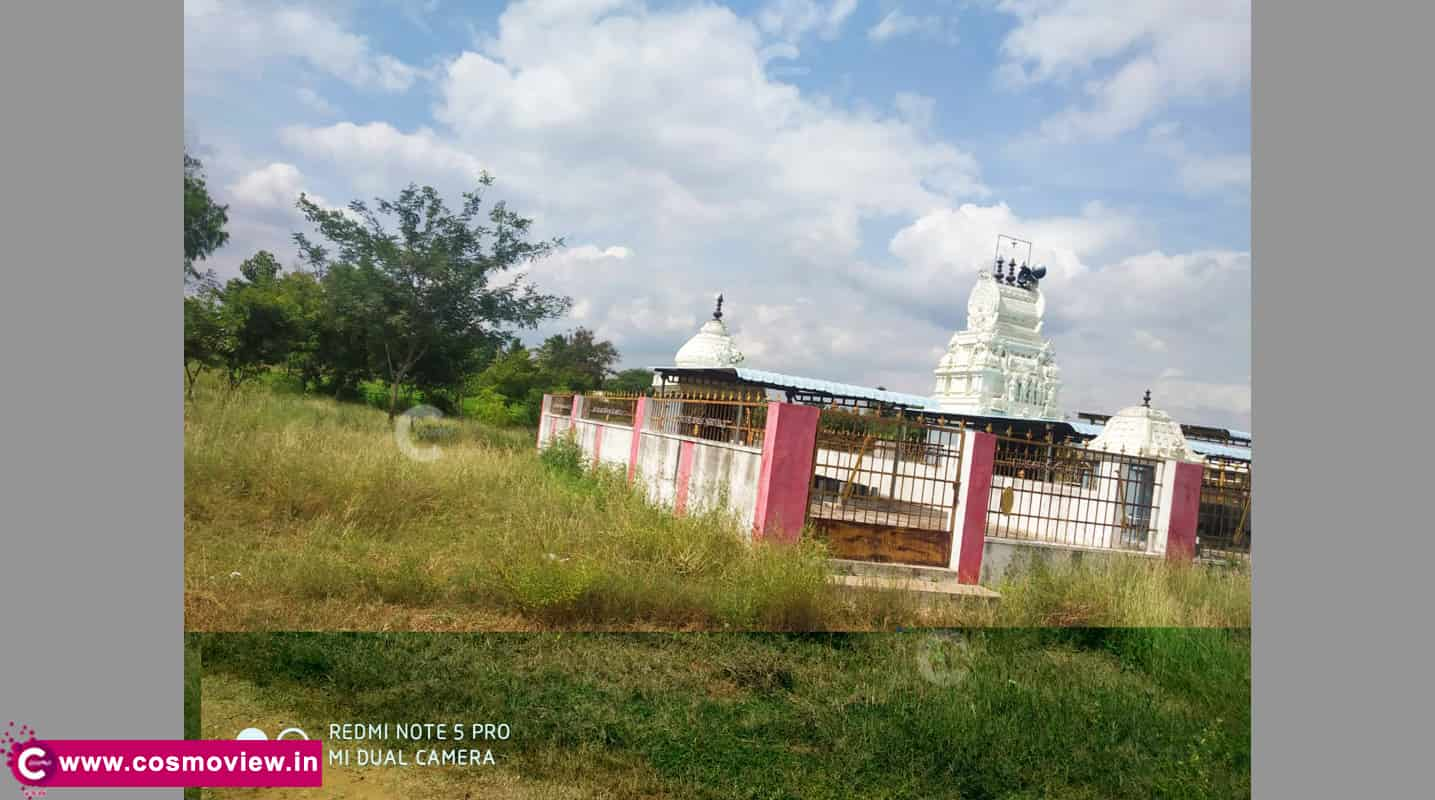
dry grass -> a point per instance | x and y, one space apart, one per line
304 514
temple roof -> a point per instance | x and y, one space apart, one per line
711 346
1144 431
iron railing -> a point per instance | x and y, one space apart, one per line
890 471
614 407
1223 524
1061 493
729 416
561 405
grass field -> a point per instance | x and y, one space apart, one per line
1011 713
304 514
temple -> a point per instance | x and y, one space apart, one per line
982 473
1000 364
998 372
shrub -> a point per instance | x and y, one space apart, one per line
564 456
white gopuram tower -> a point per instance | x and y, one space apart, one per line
1000 364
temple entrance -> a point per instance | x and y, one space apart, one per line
884 489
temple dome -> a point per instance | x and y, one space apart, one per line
1144 431
712 346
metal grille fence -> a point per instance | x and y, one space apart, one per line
889 471
561 405
615 407
732 417
1223 525
1065 494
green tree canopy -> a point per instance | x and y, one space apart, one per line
204 219
422 299
576 360
630 380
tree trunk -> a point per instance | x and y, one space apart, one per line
393 399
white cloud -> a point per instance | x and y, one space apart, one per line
610 115
274 187
897 23
227 37
1135 58
315 101
1119 324
1203 173
386 159
915 109
790 20
658 141
1151 342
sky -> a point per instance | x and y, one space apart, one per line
838 169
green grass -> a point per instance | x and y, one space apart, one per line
193 693
304 514
1053 713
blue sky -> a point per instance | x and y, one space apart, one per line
838 169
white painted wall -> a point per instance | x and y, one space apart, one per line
725 475
1093 514
615 446
658 467
552 427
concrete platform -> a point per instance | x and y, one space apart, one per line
934 583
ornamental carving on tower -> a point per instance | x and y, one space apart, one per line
1000 364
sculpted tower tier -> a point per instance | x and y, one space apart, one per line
1000 364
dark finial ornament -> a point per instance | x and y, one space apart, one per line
717 312
1146 401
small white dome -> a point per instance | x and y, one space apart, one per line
711 347
1144 431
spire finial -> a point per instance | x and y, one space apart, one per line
1146 401
717 312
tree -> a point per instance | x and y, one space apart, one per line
630 380
204 219
203 337
265 318
576 361
426 296
262 266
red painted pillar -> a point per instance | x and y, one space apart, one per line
971 534
786 472
597 444
638 413
685 476
1185 510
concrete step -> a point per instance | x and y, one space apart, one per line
933 583
875 569
928 590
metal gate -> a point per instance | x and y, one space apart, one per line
1045 491
1223 525
885 488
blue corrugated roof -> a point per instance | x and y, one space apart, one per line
831 387
1204 448
919 401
